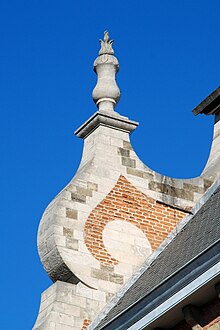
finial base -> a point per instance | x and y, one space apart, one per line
106 118
106 104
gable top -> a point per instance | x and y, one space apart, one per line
194 236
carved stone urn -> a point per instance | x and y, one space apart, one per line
106 93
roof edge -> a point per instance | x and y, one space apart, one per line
155 254
210 105
178 297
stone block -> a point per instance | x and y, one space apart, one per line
110 286
72 214
49 292
47 302
128 162
135 172
78 234
123 152
76 197
83 291
103 138
100 274
99 295
84 191
60 210
62 272
68 319
116 278
124 269
68 232
116 142
82 247
193 188
107 268
72 310
207 184
92 186
127 145
72 243
42 246
59 240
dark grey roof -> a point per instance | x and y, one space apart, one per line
200 234
210 105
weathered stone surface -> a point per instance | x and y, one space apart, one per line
72 214
128 162
124 152
84 191
66 306
127 145
116 278
72 243
107 268
77 197
135 172
100 274
67 232
94 204
92 186
101 166
172 191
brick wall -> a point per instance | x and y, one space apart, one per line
124 202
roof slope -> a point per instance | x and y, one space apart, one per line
199 235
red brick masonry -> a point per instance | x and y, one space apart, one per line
125 202
86 323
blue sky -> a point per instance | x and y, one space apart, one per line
169 62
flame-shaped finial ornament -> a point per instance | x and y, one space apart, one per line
106 45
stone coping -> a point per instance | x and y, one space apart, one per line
108 119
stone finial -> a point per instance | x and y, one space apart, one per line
106 45
106 93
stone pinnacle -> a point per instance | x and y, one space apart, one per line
106 93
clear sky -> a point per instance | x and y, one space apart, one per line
169 62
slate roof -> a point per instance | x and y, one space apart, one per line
200 234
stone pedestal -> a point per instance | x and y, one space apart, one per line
66 306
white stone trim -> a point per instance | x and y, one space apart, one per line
177 298
106 99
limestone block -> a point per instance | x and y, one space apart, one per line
65 306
